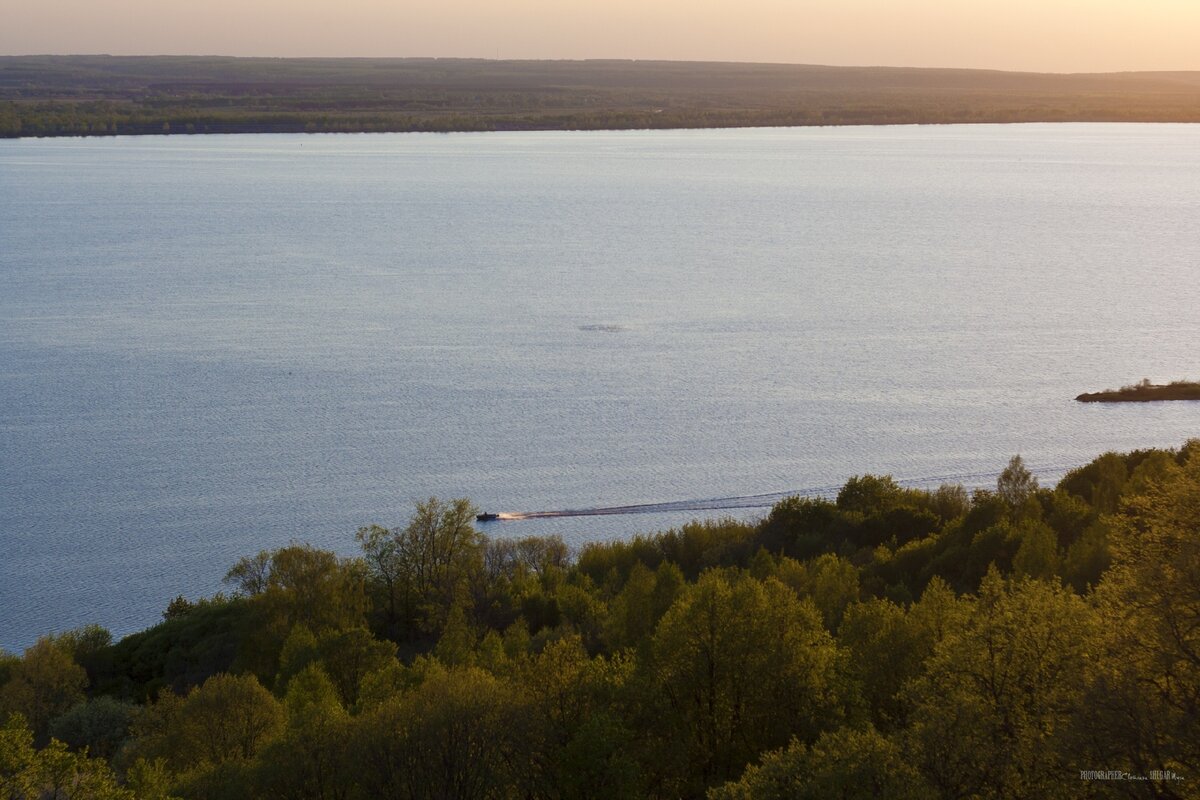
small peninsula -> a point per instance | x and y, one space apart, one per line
1145 392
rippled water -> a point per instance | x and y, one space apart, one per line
212 345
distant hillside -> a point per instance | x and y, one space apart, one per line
79 95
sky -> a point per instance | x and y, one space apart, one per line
1033 35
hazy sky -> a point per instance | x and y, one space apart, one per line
1042 35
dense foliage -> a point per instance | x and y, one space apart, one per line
1021 642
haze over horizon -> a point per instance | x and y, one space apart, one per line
1022 35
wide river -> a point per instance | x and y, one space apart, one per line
214 345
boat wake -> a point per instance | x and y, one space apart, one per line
969 480
711 504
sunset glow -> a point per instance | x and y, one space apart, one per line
1053 36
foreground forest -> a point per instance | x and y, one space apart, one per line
1020 642
110 95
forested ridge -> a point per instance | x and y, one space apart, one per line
123 95
1017 642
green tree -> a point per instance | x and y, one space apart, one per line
1016 485
668 585
250 576
632 617
88 645
421 568
456 647
311 759
886 649
1111 476
8 663
385 565
990 711
229 718
53 772
1143 702
101 725
832 583
869 494
577 744
299 650
799 526
303 586
582 609
1037 556
177 608
517 640
16 757
740 666
386 682
149 780
542 555
315 588
453 737
597 762
348 656
1088 557
491 655
939 614
950 501
44 684
846 764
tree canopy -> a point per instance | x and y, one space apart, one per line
889 642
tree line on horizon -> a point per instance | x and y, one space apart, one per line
172 115
106 95
1016 642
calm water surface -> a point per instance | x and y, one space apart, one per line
214 345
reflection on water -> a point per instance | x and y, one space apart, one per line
212 345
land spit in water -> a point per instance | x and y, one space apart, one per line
1145 392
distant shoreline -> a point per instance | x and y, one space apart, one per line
51 96
630 129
